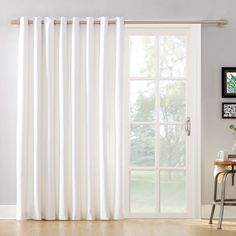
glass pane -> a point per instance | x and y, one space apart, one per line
172 56
172 145
172 191
142 56
142 100
142 191
172 101
142 149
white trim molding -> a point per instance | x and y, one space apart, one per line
7 212
195 114
229 212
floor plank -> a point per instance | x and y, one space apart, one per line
116 228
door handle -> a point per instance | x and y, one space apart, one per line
188 126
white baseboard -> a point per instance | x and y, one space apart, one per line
7 212
229 212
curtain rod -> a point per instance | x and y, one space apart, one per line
220 22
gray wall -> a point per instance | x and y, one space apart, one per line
218 49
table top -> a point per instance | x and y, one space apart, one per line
225 163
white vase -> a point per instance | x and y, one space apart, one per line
234 147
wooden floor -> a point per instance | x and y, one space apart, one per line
115 228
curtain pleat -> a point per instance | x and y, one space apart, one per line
22 120
37 75
89 125
64 81
76 127
50 211
69 122
103 201
118 213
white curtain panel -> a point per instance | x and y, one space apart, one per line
69 121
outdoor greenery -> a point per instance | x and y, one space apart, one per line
142 56
172 56
142 191
172 108
172 198
143 145
143 101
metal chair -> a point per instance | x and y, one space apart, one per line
222 201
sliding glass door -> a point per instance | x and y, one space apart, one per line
159 160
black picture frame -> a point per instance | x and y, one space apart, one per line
228 87
227 107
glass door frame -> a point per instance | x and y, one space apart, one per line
193 142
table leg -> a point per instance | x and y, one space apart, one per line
233 175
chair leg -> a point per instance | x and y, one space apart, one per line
214 197
220 217
212 212
222 201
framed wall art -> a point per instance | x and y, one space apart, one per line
228 82
228 110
